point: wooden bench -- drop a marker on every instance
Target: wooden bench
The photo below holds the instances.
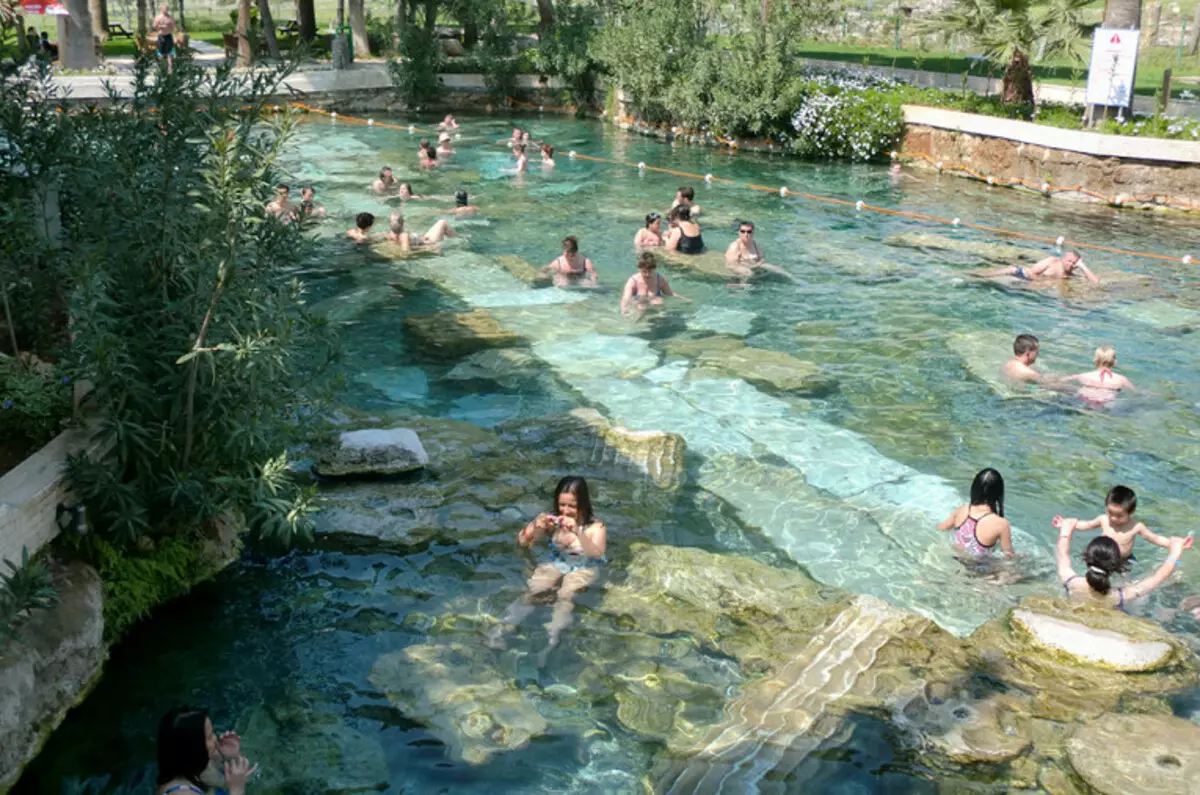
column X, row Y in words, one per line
column 117, row 29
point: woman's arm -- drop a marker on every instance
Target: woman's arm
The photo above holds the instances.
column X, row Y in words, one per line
column 593, row 539
column 533, row 531
column 731, row 257
column 1006, row 539
column 671, row 241
column 950, row 521
column 589, row 270
column 1062, row 553
column 666, row 290
column 1143, row 587
column 405, row 242
column 627, row 294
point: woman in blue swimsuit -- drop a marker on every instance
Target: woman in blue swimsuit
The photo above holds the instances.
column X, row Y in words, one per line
column 1103, row 559
column 193, row 759
column 577, row 544
column 647, row 287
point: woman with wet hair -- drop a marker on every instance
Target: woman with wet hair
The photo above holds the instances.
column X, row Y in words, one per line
column 979, row 525
column 1103, row 559
column 193, row 759
column 651, row 233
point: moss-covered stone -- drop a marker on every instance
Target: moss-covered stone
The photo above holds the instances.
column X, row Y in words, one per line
column 1138, row 755
column 452, row 335
column 522, row 270
column 993, row 252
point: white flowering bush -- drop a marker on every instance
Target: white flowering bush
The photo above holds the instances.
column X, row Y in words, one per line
column 847, row 117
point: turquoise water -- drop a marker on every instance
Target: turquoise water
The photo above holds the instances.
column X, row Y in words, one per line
column 845, row 480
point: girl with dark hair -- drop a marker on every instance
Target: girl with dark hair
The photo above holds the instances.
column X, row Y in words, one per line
column 577, row 544
column 572, row 268
column 980, row 524
column 684, row 233
column 651, row 234
column 1103, row 559
column 193, row 759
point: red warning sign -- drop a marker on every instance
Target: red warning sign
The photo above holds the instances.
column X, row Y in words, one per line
column 1116, row 39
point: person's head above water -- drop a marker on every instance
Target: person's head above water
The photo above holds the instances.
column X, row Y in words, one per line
column 1119, row 504
column 547, row 150
column 283, row 190
column 364, row 221
column 570, row 244
column 396, row 224
column 404, row 190
column 745, row 229
column 988, row 489
column 571, row 499
column 186, row 742
column 683, row 212
column 652, row 219
column 307, row 193
column 1103, row 559
column 516, row 133
column 1105, row 357
column 685, row 194
column 518, row 149
column 165, row 10
column 1071, row 260
column 385, row 174
column 647, row 262
column 460, row 198
column 1026, row 347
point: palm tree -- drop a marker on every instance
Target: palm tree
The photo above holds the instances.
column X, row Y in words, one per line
column 1008, row 30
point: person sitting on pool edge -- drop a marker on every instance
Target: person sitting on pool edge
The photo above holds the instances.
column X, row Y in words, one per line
column 386, row 182
column 686, row 197
column 684, row 233
column 647, row 287
column 1103, row 559
column 979, row 525
column 408, row 241
column 361, row 233
column 578, row 541
column 651, row 234
column 744, row 256
column 571, row 268
column 1051, row 269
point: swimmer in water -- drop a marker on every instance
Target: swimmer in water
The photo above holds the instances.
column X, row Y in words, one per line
column 280, row 206
column 578, row 541
column 386, row 182
column 686, row 197
column 462, row 205
column 683, row 234
column 448, row 123
column 1051, row 269
column 444, row 147
column 426, row 155
column 1019, row 369
column 310, row 208
column 647, row 287
column 1117, row 522
column 547, row 156
column 361, row 233
column 651, row 234
column 518, row 151
column 744, row 256
column 980, row 524
column 572, row 268
column 1099, row 387
column 405, row 193
column 410, row 242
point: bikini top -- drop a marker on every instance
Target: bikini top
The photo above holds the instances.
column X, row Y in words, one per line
column 657, row 284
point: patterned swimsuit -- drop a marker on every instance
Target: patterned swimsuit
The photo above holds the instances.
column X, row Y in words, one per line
column 965, row 537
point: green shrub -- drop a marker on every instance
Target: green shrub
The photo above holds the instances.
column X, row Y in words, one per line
column 23, row 589
column 35, row 401
column 565, row 52
column 415, row 70
column 495, row 56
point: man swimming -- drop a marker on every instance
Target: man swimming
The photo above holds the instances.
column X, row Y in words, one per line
column 1019, row 368
column 686, row 197
column 1051, row 268
column 281, row 207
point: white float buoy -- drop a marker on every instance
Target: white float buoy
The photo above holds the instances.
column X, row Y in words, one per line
column 783, row 192
column 1045, row 187
column 571, row 154
column 370, row 122
column 641, row 166
column 895, row 154
column 333, row 115
column 939, row 165
column 412, row 129
column 859, row 205
column 708, row 178
column 991, row 181
column 955, row 222
column 1059, row 242
column 1187, row 259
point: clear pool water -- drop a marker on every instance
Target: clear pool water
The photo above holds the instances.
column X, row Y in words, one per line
column 283, row 649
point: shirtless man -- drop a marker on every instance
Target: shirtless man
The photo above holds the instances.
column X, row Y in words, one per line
column 686, row 197
column 164, row 25
column 280, row 206
column 444, row 146
column 386, row 182
column 1051, row 268
column 361, row 233
column 309, row 207
column 1020, row 367
column 744, row 256
column 449, row 123
column 462, row 205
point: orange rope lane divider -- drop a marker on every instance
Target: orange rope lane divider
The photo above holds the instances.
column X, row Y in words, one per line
column 859, row 205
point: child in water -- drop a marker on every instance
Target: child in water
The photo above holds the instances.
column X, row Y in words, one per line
column 980, row 524
column 577, row 543
column 1117, row 522
column 1100, row 386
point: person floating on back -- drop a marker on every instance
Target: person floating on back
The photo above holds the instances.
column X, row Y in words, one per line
column 1117, row 522
column 1099, row 387
column 980, row 524
column 1061, row 268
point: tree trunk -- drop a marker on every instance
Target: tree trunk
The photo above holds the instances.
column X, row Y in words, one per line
column 431, row 9
column 1123, row 14
column 99, row 12
column 470, row 33
column 76, row 48
column 545, row 15
column 306, row 16
column 1193, row 43
column 143, row 21
column 358, row 28
column 267, row 23
column 1018, row 81
column 245, row 51
column 23, row 50
column 182, row 27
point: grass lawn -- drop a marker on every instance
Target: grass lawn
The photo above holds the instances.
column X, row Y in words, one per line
column 1151, row 63
column 122, row 46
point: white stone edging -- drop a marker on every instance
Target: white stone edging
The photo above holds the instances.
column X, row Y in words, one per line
column 1088, row 143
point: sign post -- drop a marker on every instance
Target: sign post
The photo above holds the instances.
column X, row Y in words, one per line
column 1112, row 70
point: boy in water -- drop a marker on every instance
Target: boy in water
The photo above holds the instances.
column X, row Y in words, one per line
column 1020, row 367
column 361, row 233
column 1117, row 522
column 686, row 197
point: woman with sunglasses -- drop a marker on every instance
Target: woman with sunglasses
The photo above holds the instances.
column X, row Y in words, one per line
column 651, row 235
column 744, row 256
column 647, row 287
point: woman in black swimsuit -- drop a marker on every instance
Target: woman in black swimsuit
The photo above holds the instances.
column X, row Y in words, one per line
column 684, row 236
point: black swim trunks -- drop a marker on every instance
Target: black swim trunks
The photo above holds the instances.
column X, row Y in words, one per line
column 166, row 45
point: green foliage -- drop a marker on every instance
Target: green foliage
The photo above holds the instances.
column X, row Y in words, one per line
column 496, row 57
column 565, row 51
column 137, row 581
column 847, row 122
column 381, row 33
column 23, row 589
column 35, row 402
column 415, row 69
column 203, row 359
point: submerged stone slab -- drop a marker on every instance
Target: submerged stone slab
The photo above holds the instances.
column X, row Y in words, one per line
column 526, row 298
column 995, row 252
column 508, row 368
column 1161, row 314
column 721, row 320
column 598, row 356
column 1138, row 755
column 399, row 384
column 452, row 335
column 462, row 696
column 1087, row 644
column 372, row 451
column 774, row 371
column 522, row 270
